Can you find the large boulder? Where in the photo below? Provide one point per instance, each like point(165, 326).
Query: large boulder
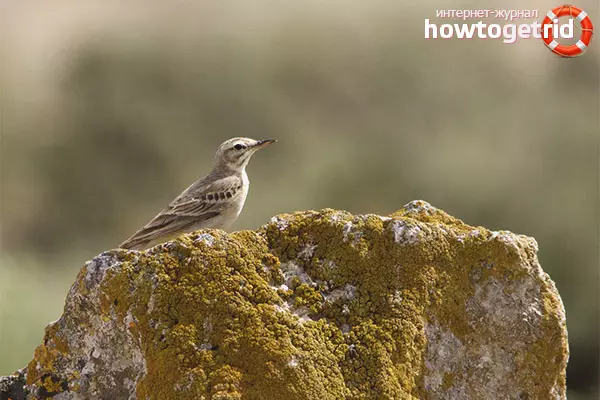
point(314, 305)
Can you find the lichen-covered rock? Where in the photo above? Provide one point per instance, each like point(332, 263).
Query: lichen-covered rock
point(313, 305)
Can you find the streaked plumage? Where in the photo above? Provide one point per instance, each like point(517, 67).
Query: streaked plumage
point(214, 201)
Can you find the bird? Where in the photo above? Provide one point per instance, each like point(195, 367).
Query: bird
point(214, 201)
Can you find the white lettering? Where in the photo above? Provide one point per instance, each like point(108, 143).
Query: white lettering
point(509, 32)
point(524, 31)
point(536, 30)
point(567, 32)
point(496, 28)
point(448, 34)
point(433, 28)
point(464, 31)
point(480, 27)
point(546, 29)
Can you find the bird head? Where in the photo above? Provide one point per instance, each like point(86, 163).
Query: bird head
point(235, 153)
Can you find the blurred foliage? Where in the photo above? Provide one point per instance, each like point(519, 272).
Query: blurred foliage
point(108, 112)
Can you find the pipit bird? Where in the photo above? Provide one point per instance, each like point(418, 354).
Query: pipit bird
point(214, 201)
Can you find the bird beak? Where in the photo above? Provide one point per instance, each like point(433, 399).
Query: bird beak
point(264, 143)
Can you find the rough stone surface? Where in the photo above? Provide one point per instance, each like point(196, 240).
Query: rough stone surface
point(314, 305)
point(12, 387)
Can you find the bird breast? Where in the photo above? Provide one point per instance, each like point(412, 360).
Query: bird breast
point(229, 215)
point(244, 193)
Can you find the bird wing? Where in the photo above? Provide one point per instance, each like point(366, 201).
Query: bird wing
point(201, 198)
point(200, 201)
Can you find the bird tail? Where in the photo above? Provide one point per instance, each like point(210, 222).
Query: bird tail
point(135, 243)
point(160, 229)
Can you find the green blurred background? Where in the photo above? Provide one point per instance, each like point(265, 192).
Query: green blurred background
point(109, 110)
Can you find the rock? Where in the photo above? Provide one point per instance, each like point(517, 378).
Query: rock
point(12, 387)
point(313, 305)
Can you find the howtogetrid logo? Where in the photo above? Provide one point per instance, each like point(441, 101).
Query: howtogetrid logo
point(549, 30)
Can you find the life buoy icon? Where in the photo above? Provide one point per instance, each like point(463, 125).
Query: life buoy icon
point(587, 29)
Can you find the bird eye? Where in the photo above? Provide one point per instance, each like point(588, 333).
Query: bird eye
point(239, 146)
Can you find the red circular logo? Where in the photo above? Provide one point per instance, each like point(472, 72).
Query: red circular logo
point(548, 34)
